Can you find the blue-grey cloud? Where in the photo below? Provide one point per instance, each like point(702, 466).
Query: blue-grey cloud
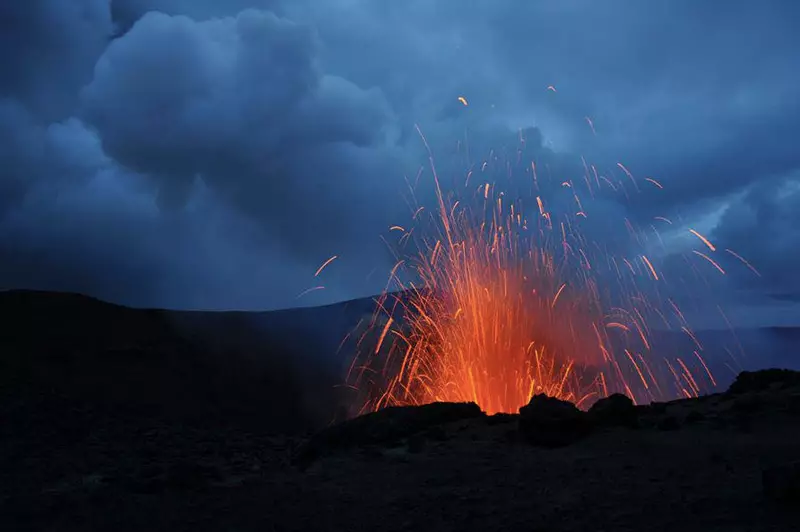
point(48, 49)
point(199, 153)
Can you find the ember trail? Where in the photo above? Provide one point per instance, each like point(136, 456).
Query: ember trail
point(504, 305)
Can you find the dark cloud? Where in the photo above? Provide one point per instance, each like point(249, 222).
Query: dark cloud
point(241, 103)
point(203, 153)
point(763, 224)
point(48, 49)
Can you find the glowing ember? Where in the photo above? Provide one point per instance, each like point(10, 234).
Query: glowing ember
point(503, 307)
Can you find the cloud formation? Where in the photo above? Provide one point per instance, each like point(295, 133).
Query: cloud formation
point(213, 154)
point(241, 103)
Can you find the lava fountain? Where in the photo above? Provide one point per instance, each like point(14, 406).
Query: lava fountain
point(501, 307)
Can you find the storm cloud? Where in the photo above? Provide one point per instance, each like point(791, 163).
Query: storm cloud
point(213, 154)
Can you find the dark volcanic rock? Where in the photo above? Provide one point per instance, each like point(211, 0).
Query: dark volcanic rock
point(757, 381)
point(137, 420)
point(185, 474)
point(84, 363)
point(616, 410)
point(669, 423)
point(385, 427)
point(695, 417)
point(550, 422)
point(782, 483)
point(501, 418)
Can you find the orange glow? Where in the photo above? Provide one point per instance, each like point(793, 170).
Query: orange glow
point(492, 322)
point(489, 309)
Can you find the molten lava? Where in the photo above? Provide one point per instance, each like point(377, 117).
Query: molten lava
point(502, 307)
point(493, 324)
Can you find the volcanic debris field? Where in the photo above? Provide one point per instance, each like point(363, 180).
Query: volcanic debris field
point(122, 419)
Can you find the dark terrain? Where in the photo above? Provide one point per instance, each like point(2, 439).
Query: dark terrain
point(120, 419)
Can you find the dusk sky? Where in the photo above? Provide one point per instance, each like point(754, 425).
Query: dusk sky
point(212, 154)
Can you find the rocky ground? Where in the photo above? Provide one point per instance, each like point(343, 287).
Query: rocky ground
point(71, 461)
point(723, 462)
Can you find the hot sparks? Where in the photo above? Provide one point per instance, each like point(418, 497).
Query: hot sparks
point(493, 307)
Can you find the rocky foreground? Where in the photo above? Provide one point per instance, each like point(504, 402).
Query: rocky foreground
point(728, 461)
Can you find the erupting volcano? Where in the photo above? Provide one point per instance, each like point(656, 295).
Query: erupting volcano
point(502, 306)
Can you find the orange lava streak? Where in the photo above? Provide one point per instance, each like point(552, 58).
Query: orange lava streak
point(324, 265)
point(703, 239)
point(557, 295)
point(638, 370)
point(743, 261)
point(383, 335)
point(309, 290)
point(708, 371)
point(650, 267)
point(628, 173)
point(709, 259)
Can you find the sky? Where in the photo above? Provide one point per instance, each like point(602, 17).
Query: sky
point(204, 154)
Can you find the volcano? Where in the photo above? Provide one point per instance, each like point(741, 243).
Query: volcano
point(141, 419)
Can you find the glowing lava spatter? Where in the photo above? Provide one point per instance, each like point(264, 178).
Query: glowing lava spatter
point(503, 306)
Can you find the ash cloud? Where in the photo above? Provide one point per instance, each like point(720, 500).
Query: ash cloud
point(240, 103)
point(212, 154)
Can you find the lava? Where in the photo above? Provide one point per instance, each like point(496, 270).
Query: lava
point(502, 307)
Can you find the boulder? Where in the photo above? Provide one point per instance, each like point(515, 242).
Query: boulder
point(758, 381)
point(616, 410)
point(549, 422)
